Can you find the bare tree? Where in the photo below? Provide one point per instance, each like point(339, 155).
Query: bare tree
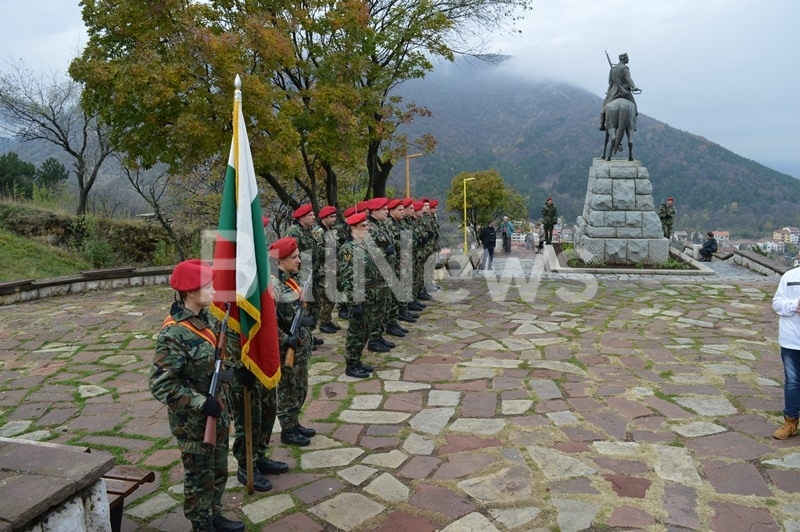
point(152, 186)
point(35, 108)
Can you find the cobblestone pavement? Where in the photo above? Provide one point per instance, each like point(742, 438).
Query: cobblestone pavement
point(520, 401)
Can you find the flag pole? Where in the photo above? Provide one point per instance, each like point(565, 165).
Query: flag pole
point(248, 422)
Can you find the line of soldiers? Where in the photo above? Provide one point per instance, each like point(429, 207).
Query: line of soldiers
point(376, 264)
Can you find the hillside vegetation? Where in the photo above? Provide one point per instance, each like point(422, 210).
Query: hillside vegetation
point(542, 138)
point(24, 258)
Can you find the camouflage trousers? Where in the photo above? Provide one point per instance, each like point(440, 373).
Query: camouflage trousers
point(667, 228)
point(263, 410)
point(378, 301)
point(325, 306)
point(357, 333)
point(419, 273)
point(292, 392)
point(205, 475)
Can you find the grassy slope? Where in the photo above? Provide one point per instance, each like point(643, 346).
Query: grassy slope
point(23, 258)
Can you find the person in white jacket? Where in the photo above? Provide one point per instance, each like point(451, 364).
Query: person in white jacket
point(785, 304)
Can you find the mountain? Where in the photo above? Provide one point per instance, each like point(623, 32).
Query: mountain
point(542, 137)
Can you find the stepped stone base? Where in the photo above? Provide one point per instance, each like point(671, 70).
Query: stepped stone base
point(619, 224)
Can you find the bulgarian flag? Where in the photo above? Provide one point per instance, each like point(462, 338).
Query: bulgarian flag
point(240, 260)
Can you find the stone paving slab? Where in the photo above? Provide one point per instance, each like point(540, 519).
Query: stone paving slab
point(522, 400)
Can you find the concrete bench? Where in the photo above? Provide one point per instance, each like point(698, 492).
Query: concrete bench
point(122, 481)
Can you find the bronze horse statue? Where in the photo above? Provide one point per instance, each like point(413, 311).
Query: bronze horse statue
point(620, 120)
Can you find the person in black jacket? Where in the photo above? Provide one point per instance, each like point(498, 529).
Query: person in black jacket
point(488, 238)
point(709, 248)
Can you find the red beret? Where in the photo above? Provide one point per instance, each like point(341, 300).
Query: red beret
point(283, 247)
point(394, 204)
point(377, 203)
point(425, 200)
point(418, 205)
point(408, 202)
point(357, 218)
point(670, 199)
point(549, 199)
point(191, 275)
point(348, 212)
point(264, 220)
point(362, 206)
point(326, 211)
point(434, 203)
point(301, 211)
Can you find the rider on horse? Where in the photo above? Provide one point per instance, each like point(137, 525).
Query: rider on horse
point(620, 85)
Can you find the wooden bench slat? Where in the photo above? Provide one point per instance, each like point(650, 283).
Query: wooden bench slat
point(131, 473)
point(120, 487)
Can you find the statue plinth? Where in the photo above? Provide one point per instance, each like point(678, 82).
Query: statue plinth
point(619, 223)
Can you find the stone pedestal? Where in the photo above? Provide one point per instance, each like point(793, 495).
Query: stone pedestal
point(619, 224)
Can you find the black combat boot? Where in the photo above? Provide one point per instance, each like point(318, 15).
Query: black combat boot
point(407, 317)
point(308, 433)
point(271, 467)
point(356, 372)
point(377, 346)
point(328, 328)
point(387, 343)
point(223, 524)
point(395, 330)
point(260, 483)
point(365, 367)
point(292, 437)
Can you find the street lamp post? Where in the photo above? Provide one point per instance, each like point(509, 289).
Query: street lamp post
point(408, 173)
point(466, 250)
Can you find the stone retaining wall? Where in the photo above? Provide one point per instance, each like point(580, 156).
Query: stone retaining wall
point(88, 281)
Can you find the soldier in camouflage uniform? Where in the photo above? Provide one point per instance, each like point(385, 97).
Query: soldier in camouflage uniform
point(436, 245)
point(429, 223)
point(180, 378)
point(397, 308)
point(263, 410)
point(360, 276)
point(293, 387)
point(326, 232)
point(411, 226)
point(421, 249)
point(549, 220)
point(383, 245)
point(343, 234)
point(312, 255)
point(667, 214)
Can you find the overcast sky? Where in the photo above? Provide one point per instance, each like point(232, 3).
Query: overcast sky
point(724, 69)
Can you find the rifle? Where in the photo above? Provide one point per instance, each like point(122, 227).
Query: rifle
point(210, 438)
point(609, 59)
point(294, 329)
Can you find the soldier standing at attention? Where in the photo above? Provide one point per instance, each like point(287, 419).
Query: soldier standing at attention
point(667, 214)
point(180, 378)
point(312, 257)
point(380, 298)
point(326, 232)
point(549, 220)
point(398, 309)
point(293, 387)
point(263, 410)
point(360, 276)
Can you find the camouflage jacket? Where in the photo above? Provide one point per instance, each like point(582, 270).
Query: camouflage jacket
point(309, 244)
point(358, 270)
point(181, 374)
point(382, 237)
point(286, 301)
point(549, 214)
point(329, 249)
point(666, 213)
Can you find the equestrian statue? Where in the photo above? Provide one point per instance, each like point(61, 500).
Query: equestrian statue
point(619, 113)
